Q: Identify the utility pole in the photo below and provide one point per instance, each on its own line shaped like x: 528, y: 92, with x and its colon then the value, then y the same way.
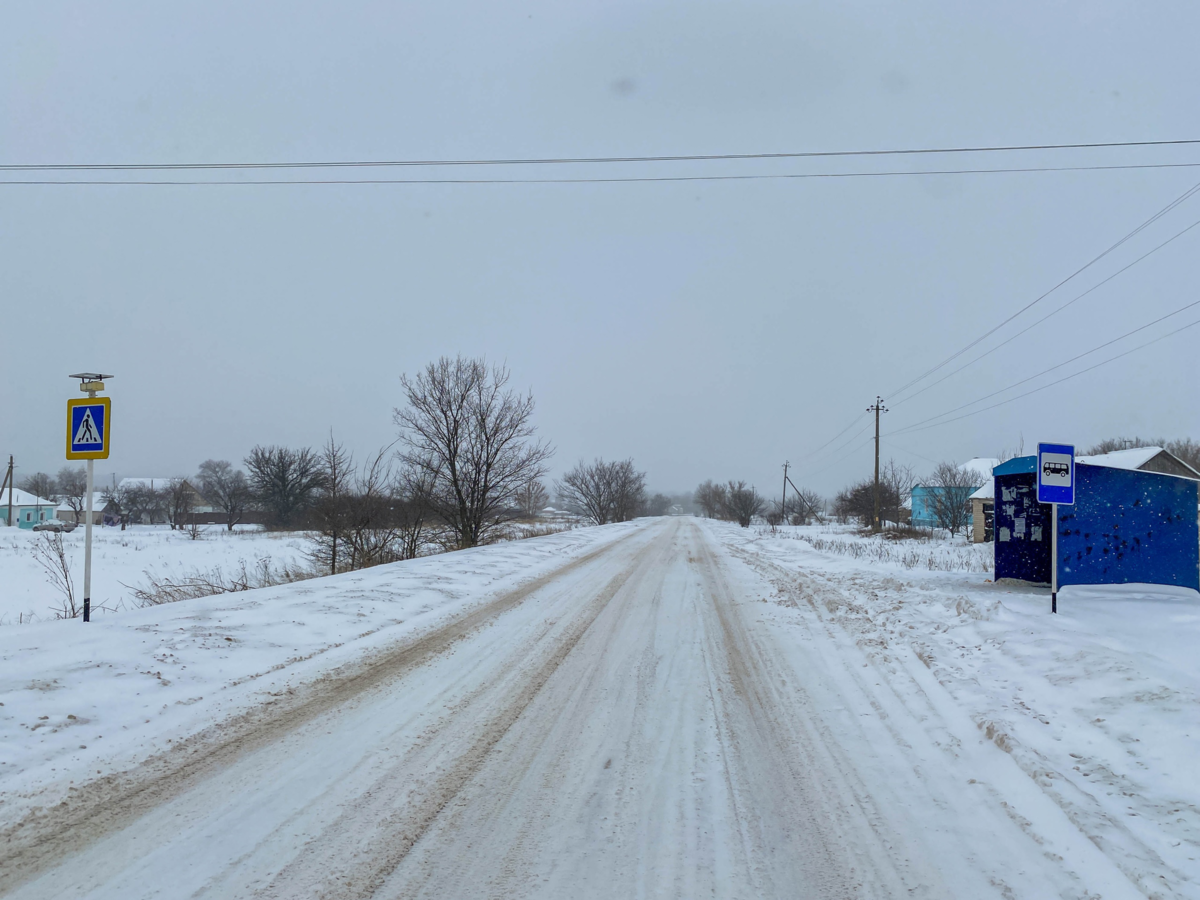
x: 877, y: 408
x: 783, y: 500
x: 8, y: 483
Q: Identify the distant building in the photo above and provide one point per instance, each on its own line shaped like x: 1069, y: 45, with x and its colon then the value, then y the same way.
x: 65, y: 513
x: 27, y: 510
x: 1133, y: 521
x: 926, y: 497
x: 983, y: 505
x: 158, y: 514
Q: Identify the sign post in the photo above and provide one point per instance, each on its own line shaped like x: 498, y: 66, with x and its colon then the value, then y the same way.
x: 1055, y: 485
x: 88, y: 421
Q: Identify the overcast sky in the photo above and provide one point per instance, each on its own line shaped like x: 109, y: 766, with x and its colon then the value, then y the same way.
x: 708, y: 329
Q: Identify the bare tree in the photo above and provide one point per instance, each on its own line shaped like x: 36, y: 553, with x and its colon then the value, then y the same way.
x: 226, y: 488
x: 858, y: 501
x: 773, y: 514
x: 51, y: 555
x: 1187, y: 450
x: 710, y: 498
x: 410, y: 496
x: 72, y: 487
x: 474, y: 439
x: 896, y: 482
x: 284, y: 482
x: 585, y: 491
x: 40, y: 485
x: 331, y: 511
x: 742, y: 503
x: 658, y: 505
x: 374, y: 527
x: 628, y: 490
x: 180, y: 501
x: 142, y: 502
x: 949, y: 498
x: 532, y: 498
x: 604, y: 491
x: 116, y: 500
x: 803, y: 506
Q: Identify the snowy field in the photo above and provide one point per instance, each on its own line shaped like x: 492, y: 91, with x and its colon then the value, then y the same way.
x: 122, y: 559
x: 1099, y: 706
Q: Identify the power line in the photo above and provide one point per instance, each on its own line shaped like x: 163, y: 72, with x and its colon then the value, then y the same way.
x: 1162, y: 212
x: 1060, y: 380
x: 619, y: 180
x: 1098, y: 347
x: 1049, y: 315
x: 836, y: 436
x: 577, y: 160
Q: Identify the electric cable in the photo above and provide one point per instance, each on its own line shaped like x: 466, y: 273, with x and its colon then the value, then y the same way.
x: 1061, y: 380
x: 578, y: 160
x: 853, y: 422
x: 1098, y: 347
x: 616, y: 180
x: 1030, y: 327
x: 1162, y: 212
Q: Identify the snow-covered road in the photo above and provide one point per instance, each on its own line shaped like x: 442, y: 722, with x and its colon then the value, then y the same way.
x: 637, y: 723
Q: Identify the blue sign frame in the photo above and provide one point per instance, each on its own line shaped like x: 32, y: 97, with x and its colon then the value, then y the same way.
x: 1056, y: 473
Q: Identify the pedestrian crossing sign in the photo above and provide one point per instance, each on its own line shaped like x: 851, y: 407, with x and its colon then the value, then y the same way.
x: 88, y: 423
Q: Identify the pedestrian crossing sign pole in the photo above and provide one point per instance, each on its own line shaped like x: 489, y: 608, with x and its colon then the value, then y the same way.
x: 89, y: 421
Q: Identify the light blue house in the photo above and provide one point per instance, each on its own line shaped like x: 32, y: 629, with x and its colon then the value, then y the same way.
x: 926, y: 497
x: 27, y: 510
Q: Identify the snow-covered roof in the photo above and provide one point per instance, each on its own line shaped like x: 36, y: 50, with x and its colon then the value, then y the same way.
x: 981, y: 466
x: 1133, y: 458
x: 97, y: 502
x: 156, y: 483
x: 23, y: 498
x: 987, y: 492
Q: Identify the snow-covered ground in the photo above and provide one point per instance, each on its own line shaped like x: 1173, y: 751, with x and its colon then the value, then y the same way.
x: 1098, y: 706
x: 665, y: 707
x: 122, y: 559
x: 125, y: 560
x: 99, y: 697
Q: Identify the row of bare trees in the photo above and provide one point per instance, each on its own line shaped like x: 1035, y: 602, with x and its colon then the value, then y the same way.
x: 735, y: 501
x: 603, y: 492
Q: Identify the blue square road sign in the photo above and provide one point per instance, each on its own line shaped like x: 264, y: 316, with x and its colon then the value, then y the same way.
x: 1056, y: 473
x: 88, y: 423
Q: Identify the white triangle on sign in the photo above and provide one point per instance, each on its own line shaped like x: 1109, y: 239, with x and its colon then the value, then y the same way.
x: 87, y: 433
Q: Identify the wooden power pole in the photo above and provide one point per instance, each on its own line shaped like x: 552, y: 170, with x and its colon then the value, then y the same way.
x: 8, y: 483
x: 877, y: 408
x: 783, y: 499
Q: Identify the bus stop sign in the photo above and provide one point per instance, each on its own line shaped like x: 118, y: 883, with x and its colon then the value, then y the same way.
x: 1056, y: 473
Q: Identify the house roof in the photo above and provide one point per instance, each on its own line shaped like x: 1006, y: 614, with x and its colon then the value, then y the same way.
x: 156, y: 483
x: 1133, y: 458
x: 981, y: 466
x: 97, y: 502
x: 1130, y: 460
x: 987, y: 492
x: 23, y: 498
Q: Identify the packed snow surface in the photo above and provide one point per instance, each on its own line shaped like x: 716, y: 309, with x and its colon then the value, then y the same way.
x: 670, y: 707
